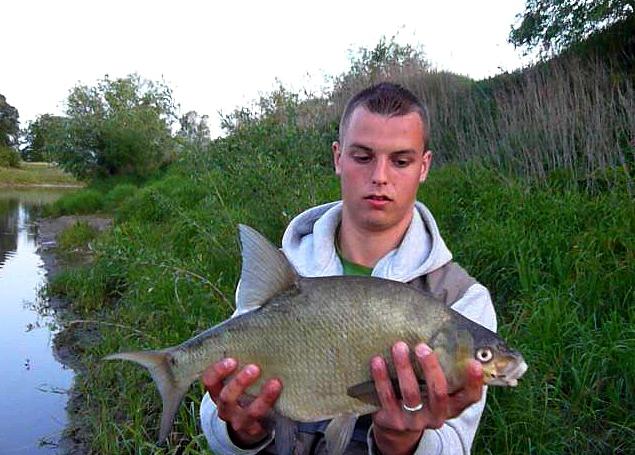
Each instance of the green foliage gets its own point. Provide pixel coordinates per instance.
(9, 157)
(558, 264)
(46, 138)
(9, 124)
(118, 195)
(85, 201)
(76, 237)
(554, 25)
(370, 66)
(120, 126)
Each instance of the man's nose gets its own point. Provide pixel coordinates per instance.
(380, 172)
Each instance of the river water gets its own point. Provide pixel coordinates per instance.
(33, 384)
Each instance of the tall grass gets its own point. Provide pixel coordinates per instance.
(559, 264)
(97, 197)
(573, 113)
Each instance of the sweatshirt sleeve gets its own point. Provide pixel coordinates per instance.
(456, 435)
(215, 431)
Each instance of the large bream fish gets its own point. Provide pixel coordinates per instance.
(318, 335)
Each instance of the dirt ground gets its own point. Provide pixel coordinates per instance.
(49, 229)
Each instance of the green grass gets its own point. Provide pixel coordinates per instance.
(76, 237)
(99, 196)
(559, 263)
(557, 259)
(36, 174)
(81, 202)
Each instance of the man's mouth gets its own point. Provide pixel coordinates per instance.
(378, 197)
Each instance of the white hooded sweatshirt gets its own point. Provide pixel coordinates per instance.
(309, 244)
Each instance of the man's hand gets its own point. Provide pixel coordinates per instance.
(398, 431)
(246, 420)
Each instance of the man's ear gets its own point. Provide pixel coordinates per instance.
(425, 166)
(337, 154)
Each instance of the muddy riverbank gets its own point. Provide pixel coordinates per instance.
(70, 341)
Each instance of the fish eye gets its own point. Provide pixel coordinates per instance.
(484, 355)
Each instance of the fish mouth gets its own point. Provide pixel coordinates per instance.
(509, 375)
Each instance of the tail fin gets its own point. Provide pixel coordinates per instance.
(172, 392)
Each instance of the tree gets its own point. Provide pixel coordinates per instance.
(554, 25)
(194, 129)
(120, 126)
(46, 138)
(9, 123)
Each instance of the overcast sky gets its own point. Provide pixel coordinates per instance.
(220, 55)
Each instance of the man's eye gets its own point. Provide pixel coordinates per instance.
(401, 163)
(361, 158)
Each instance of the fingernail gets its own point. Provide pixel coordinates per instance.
(401, 348)
(423, 350)
(251, 370)
(229, 363)
(376, 363)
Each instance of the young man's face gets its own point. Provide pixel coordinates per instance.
(381, 163)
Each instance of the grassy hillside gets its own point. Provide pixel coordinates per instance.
(36, 174)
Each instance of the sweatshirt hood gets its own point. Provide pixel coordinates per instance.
(308, 243)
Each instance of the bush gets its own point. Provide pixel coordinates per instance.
(9, 157)
(118, 195)
(79, 203)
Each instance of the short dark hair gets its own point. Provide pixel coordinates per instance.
(390, 100)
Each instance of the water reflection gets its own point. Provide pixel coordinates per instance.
(33, 384)
(8, 222)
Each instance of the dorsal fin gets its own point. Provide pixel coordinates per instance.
(265, 270)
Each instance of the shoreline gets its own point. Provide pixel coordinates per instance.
(68, 340)
(40, 185)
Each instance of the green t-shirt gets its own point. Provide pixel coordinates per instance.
(350, 268)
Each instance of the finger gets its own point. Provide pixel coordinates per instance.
(264, 402)
(408, 384)
(215, 374)
(383, 386)
(471, 393)
(229, 395)
(437, 410)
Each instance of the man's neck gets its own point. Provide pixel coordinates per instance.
(367, 247)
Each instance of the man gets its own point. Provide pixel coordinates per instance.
(378, 228)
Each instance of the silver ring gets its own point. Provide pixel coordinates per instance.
(416, 408)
